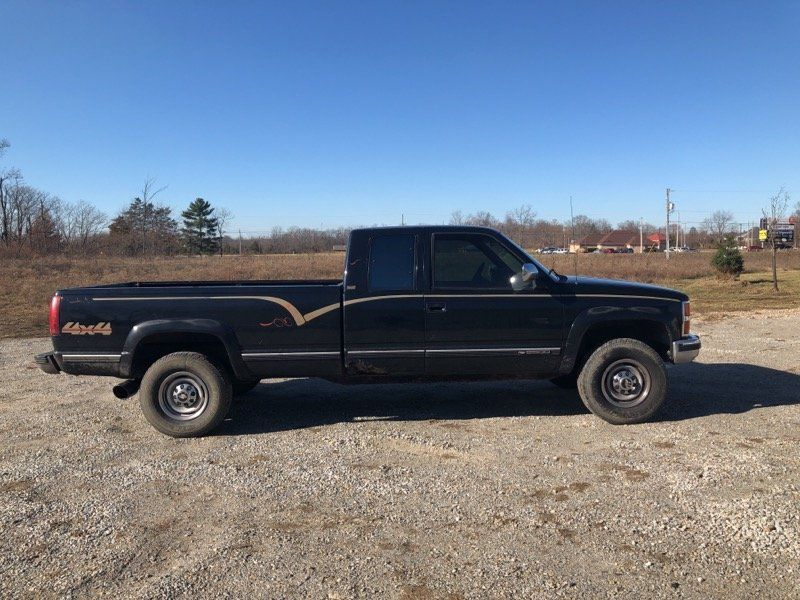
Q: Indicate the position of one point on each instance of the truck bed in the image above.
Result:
(272, 327)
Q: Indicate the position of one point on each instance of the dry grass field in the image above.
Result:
(27, 284)
(694, 275)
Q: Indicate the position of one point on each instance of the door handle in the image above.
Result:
(436, 307)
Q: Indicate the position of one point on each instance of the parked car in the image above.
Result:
(625, 251)
(560, 251)
(433, 303)
(548, 250)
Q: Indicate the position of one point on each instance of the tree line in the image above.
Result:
(33, 221)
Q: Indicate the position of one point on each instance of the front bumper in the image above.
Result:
(685, 349)
(47, 362)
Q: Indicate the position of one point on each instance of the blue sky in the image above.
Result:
(347, 113)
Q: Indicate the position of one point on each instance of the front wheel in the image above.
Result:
(185, 395)
(623, 382)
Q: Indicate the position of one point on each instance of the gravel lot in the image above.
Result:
(502, 489)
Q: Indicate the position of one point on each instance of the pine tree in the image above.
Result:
(728, 260)
(200, 228)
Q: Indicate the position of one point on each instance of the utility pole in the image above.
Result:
(240, 242)
(670, 208)
(402, 219)
(641, 236)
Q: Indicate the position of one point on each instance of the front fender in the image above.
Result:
(596, 315)
(224, 333)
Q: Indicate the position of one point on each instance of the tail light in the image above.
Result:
(55, 309)
(687, 317)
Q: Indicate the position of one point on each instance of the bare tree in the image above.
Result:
(80, 223)
(585, 225)
(43, 229)
(456, 218)
(718, 224)
(482, 218)
(796, 217)
(224, 216)
(24, 202)
(774, 212)
(149, 192)
(6, 177)
(633, 225)
(519, 223)
(523, 215)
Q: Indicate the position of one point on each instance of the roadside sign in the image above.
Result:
(762, 235)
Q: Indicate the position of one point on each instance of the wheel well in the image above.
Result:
(155, 346)
(652, 333)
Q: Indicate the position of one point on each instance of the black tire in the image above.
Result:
(185, 395)
(623, 382)
(566, 382)
(242, 387)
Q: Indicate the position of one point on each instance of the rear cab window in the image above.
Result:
(392, 262)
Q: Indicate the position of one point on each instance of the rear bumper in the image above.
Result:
(47, 362)
(685, 349)
(79, 364)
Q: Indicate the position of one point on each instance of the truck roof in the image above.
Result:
(430, 228)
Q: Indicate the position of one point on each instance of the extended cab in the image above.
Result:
(416, 303)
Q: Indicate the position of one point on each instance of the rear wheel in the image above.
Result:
(624, 381)
(185, 395)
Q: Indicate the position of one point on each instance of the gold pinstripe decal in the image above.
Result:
(320, 311)
(290, 308)
(301, 319)
(620, 296)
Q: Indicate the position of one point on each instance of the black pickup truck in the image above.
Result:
(416, 303)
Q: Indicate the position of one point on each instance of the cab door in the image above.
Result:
(384, 316)
(475, 323)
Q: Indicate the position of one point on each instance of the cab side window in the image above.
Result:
(472, 261)
(391, 262)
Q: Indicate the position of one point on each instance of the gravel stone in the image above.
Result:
(501, 489)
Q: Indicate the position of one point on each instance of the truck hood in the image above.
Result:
(617, 287)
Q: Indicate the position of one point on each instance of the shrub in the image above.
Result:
(727, 260)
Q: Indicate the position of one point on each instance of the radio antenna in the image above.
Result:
(573, 241)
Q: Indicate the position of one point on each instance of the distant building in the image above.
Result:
(619, 239)
(656, 241)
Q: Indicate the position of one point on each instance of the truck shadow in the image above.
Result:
(696, 390)
(699, 390)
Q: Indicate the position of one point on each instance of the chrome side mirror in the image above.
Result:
(528, 271)
(525, 278)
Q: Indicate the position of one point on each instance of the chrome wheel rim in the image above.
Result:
(183, 396)
(626, 383)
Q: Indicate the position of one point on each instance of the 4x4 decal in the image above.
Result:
(74, 328)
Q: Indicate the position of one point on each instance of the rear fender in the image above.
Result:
(142, 331)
